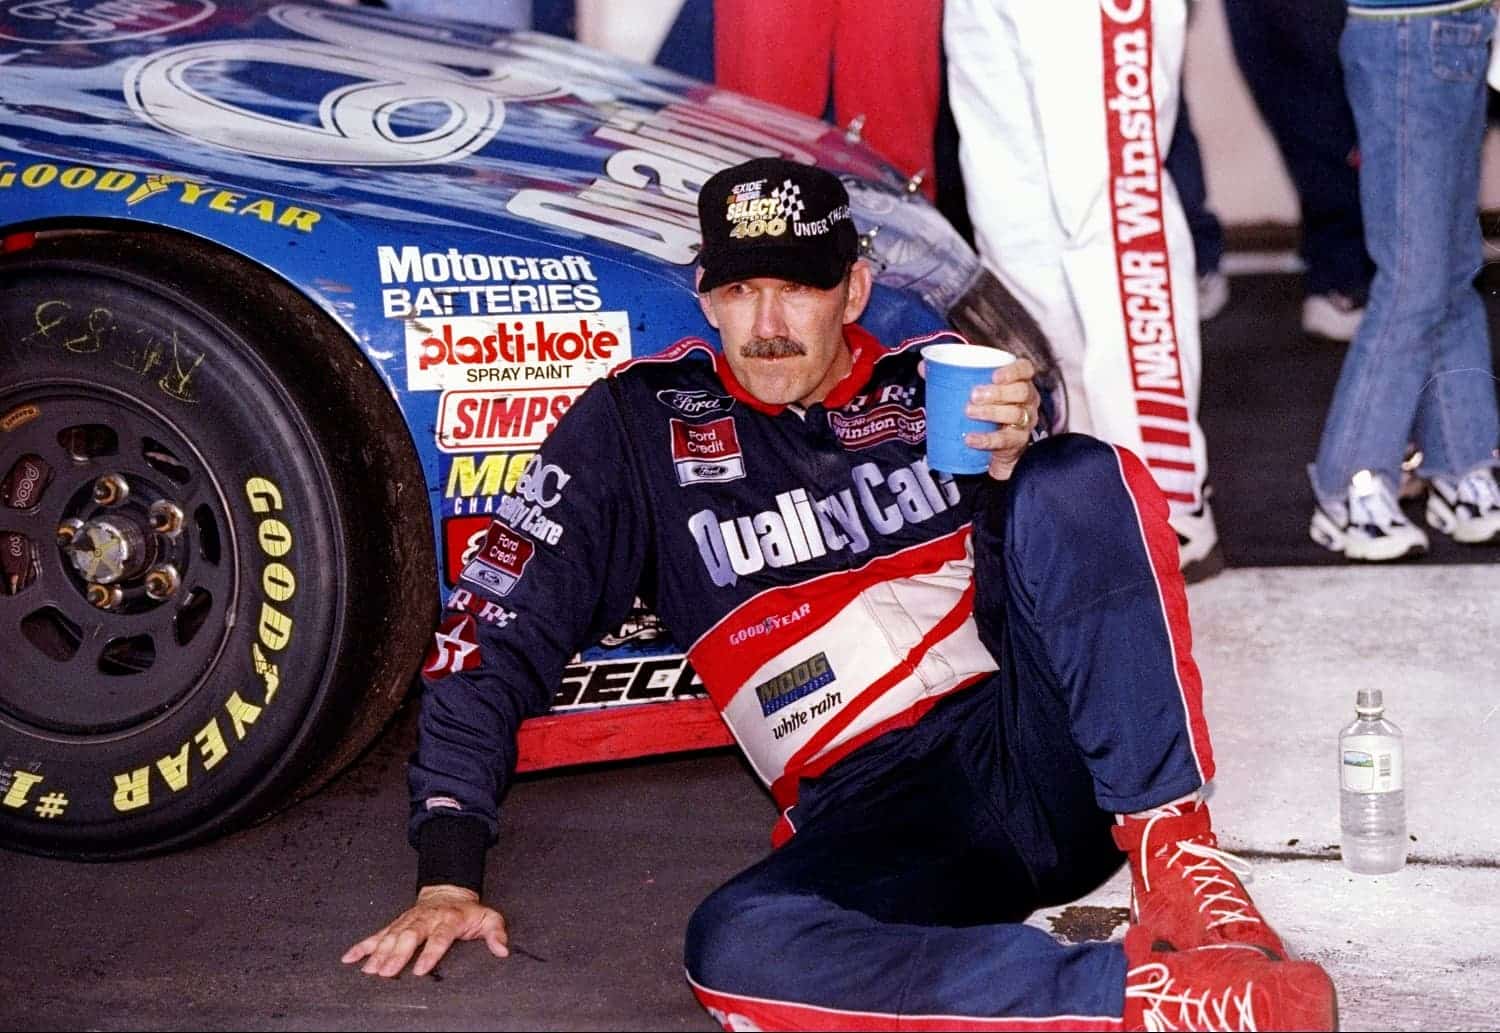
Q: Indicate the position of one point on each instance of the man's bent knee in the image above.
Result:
(733, 933)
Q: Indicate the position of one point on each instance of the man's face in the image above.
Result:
(784, 340)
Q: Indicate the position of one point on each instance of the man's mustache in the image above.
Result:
(773, 348)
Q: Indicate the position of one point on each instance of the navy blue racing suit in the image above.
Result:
(949, 685)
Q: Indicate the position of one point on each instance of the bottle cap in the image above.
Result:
(1369, 699)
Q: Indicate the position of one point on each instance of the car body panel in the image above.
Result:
(495, 218)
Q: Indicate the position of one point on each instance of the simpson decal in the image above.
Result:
(493, 421)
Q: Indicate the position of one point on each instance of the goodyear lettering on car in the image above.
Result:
(144, 188)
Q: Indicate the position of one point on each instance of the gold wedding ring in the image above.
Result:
(1025, 419)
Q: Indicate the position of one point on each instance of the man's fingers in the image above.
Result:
(1021, 369)
(362, 949)
(1006, 439)
(496, 936)
(394, 951)
(438, 943)
(431, 926)
(1012, 416)
(1010, 391)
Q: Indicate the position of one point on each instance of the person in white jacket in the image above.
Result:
(1065, 111)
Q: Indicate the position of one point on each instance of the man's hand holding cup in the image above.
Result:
(981, 408)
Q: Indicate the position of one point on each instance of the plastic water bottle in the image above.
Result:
(1372, 804)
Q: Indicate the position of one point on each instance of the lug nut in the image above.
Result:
(915, 183)
(165, 518)
(111, 490)
(161, 582)
(855, 128)
(67, 531)
(104, 597)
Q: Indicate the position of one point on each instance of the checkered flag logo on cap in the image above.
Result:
(789, 197)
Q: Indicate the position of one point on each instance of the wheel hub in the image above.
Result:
(109, 550)
(114, 572)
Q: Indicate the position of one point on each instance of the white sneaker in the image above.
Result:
(1468, 510)
(1198, 554)
(1368, 524)
(1213, 295)
(1334, 316)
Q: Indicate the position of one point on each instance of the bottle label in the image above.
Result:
(1371, 763)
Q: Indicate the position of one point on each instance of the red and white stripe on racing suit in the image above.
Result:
(899, 631)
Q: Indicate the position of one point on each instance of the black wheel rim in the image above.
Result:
(116, 617)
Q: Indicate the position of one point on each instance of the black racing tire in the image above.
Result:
(158, 688)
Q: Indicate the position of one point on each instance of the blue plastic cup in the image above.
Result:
(953, 371)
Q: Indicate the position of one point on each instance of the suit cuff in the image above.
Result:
(451, 851)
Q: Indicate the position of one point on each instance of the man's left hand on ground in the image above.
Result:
(1012, 401)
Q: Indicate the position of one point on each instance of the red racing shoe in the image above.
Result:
(1185, 891)
(1224, 987)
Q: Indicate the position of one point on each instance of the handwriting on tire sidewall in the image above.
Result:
(157, 355)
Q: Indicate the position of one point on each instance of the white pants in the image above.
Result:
(1065, 110)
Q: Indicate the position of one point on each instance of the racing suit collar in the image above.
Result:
(864, 348)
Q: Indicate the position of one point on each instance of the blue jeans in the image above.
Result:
(1419, 369)
(1288, 53)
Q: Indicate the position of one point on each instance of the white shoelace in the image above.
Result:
(1482, 492)
(1211, 870)
(1371, 503)
(1153, 983)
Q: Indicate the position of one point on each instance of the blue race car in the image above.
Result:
(289, 295)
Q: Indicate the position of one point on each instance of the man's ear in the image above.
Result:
(860, 279)
(704, 302)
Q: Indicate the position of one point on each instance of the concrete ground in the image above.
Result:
(1282, 653)
(598, 870)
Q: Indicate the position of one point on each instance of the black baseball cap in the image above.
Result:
(773, 217)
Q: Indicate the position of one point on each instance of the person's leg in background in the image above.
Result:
(1457, 423)
(1415, 84)
(779, 51)
(885, 67)
(1016, 231)
(688, 46)
(1185, 165)
(952, 195)
(1288, 51)
(1073, 212)
(1128, 255)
